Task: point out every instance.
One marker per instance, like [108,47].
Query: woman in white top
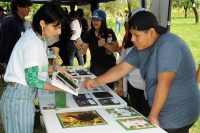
[75,26]
[27,70]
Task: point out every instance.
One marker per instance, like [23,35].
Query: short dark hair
[19,3]
[49,13]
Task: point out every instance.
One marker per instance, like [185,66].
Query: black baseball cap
[144,20]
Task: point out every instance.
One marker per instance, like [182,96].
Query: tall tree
[195,11]
[186,5]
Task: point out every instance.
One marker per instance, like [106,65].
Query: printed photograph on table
[80,119]
[63,82]
[72,72]
[84,100]
[103,87]
[82,79]
[83,72]
[135,123]
[74,67]
[82,96]
[104,94]
[109,101]
[122,112]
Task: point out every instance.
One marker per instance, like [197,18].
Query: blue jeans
[18,109]
[118,27]
[73,52]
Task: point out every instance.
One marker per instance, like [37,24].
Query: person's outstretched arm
[111,75]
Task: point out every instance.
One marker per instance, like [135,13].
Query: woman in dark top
[96,39]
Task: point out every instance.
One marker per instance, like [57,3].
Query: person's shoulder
[75,21]
[170,37]
[167,35]
[29,35]
[29,39]
[9,18]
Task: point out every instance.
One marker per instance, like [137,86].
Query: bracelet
[153,115]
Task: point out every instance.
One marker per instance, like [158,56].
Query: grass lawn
[188,31]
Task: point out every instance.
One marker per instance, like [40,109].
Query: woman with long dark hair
[101,47]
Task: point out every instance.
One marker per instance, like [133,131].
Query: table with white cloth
[110,124]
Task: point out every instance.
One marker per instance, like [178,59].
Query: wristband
[153,115]
[104,44]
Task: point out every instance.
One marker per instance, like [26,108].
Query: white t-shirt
[76,27]
[29,51]
[134,77]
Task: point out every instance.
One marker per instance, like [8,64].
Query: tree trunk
[195,11]
[185,10]
[129,5]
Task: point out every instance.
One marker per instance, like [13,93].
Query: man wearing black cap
[168,68]
[12,26]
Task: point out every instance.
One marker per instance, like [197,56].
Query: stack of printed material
[63,82]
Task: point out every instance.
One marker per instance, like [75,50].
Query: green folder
[60,99]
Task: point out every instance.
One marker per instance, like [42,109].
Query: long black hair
[103,29]
[49,13]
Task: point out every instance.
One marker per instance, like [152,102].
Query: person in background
[96,39]
[118,23]
[76,28]
[85,27]
[198,73]
[133,84]
[126,33]
[2,13]
[27,70]
[12,27]
[126,12]
[167,66]
[60,48]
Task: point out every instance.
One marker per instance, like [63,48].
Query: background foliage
[183,26]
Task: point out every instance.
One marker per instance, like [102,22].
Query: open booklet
[63,82]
